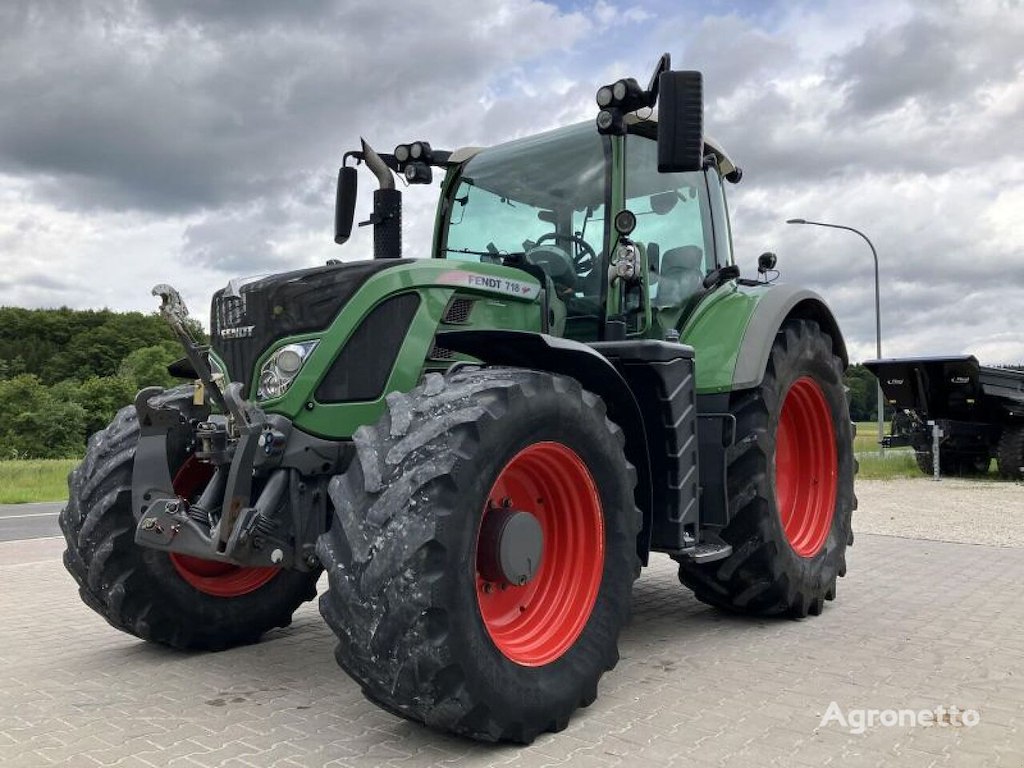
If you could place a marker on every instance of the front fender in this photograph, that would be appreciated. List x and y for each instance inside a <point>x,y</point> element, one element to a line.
<point>594,372</point>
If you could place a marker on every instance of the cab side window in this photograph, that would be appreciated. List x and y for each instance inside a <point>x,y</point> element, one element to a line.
<point>673,224</point>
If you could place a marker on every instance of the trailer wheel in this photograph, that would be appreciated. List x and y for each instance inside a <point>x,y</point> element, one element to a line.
<point>925,462</point>
<point>442,611</point>
<point>952,464</point>
<point>1011,453</point>
<point>974,465</point>
<point>183,602</point>
<point>790,484</point>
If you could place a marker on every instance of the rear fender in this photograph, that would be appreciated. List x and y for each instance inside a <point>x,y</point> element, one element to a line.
<point>733,331</point>
<point>779,304</point>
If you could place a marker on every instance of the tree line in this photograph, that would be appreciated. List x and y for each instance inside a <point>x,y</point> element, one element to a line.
<point>64,374</point>
<point>861,391</point>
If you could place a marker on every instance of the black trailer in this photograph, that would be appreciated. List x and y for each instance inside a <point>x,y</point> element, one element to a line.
<point>979,410</point>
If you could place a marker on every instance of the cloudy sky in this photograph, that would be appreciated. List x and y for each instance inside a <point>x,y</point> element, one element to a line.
<point>190,141</point>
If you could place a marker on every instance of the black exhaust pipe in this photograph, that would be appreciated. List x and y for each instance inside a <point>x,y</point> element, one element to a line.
<point>387,208</point>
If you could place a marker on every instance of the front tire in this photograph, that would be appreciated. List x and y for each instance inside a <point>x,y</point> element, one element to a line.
<point>182,602</point>
<point>790,485</point>
<point>424,625</point>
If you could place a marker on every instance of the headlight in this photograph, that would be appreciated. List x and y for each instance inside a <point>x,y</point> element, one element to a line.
<point>281,368</point>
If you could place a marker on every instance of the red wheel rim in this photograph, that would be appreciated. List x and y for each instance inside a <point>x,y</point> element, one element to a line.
<point>212,577</point>
<point>806,469</point>
<point>538,622</point>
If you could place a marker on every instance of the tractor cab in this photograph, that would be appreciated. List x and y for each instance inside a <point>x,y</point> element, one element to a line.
<point>548,205</point>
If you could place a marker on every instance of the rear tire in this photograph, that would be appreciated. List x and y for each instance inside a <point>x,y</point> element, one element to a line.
<point>417,626</point>
<point>140,590</point>
<point>1011,453</point>
<point>786,567</point>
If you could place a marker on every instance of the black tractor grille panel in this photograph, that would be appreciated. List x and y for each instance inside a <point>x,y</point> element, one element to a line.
<point>438,352</point>
<point>232,334</point>
<point>243,326</point>
<point>230,311</point>
<point>457,312</point>
<point>362,368</point>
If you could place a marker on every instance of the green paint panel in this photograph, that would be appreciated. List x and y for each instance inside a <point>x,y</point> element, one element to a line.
<point>715,330</point>
<point>436,281</point>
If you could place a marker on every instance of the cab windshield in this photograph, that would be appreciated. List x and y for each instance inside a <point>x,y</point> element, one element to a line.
<point>544,189</point>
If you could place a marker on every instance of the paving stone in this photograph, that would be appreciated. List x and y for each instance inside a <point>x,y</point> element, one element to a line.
<point>918,624</point>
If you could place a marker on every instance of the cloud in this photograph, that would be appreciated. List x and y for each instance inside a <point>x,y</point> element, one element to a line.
<point>189,141</point>
<point>174,108</point>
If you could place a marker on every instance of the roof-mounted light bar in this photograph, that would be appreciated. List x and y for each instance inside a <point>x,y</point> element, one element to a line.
<point>627,95</point>
<point>414,160</point>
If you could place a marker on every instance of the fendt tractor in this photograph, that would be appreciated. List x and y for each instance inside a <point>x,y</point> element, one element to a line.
<point>482,448</point>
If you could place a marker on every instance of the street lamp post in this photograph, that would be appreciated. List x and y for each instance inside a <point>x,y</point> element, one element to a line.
<point>878,315</point>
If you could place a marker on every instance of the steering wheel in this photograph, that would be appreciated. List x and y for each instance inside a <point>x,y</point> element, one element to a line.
<point>555,262</point>
<point>583,261</point>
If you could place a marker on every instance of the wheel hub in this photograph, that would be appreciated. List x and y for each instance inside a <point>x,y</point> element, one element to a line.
<point>533,607</point>
<point>510,546</point>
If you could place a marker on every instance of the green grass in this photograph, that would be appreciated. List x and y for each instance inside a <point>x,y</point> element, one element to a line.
<point>895,463</point>
<point>867,436</point>
<point>46,479</point>
<point>34,480</point>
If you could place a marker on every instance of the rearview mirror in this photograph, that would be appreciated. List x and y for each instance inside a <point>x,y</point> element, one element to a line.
<point>680,122</point>
<point>345,203</point>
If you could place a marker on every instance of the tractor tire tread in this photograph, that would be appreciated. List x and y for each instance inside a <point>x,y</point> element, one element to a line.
<point>136,589</point>
<point>383,556</point>
<point>759,577</point>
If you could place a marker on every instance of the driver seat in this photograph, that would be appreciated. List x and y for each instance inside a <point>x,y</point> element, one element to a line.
<point>679,280</point>
<point>556,307</point>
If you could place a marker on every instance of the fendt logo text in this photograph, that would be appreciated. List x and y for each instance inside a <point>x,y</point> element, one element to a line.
<point>238,332</point>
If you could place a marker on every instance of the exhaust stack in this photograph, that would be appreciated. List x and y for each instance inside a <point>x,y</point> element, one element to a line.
<point>387,208</point>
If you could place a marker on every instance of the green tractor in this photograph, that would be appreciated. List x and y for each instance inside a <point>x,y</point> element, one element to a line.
<point>481,449</point>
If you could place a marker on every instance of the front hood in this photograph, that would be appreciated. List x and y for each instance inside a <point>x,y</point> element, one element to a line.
<point>250,315</point>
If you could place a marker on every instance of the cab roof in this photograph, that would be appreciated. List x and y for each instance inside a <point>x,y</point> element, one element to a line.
<point>647,125</point>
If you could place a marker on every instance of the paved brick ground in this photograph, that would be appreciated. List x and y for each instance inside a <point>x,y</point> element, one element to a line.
<point>918,624</point>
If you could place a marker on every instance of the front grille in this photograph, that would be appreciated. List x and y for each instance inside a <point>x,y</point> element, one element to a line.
<point>230,311</point>
<point>244,325</point>
<point>457,311</point>
<point>229,316</point>
<point>438,352</point>
<point>362,368</point>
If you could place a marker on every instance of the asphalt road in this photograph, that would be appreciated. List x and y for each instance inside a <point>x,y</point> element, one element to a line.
<point>29,521</point>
